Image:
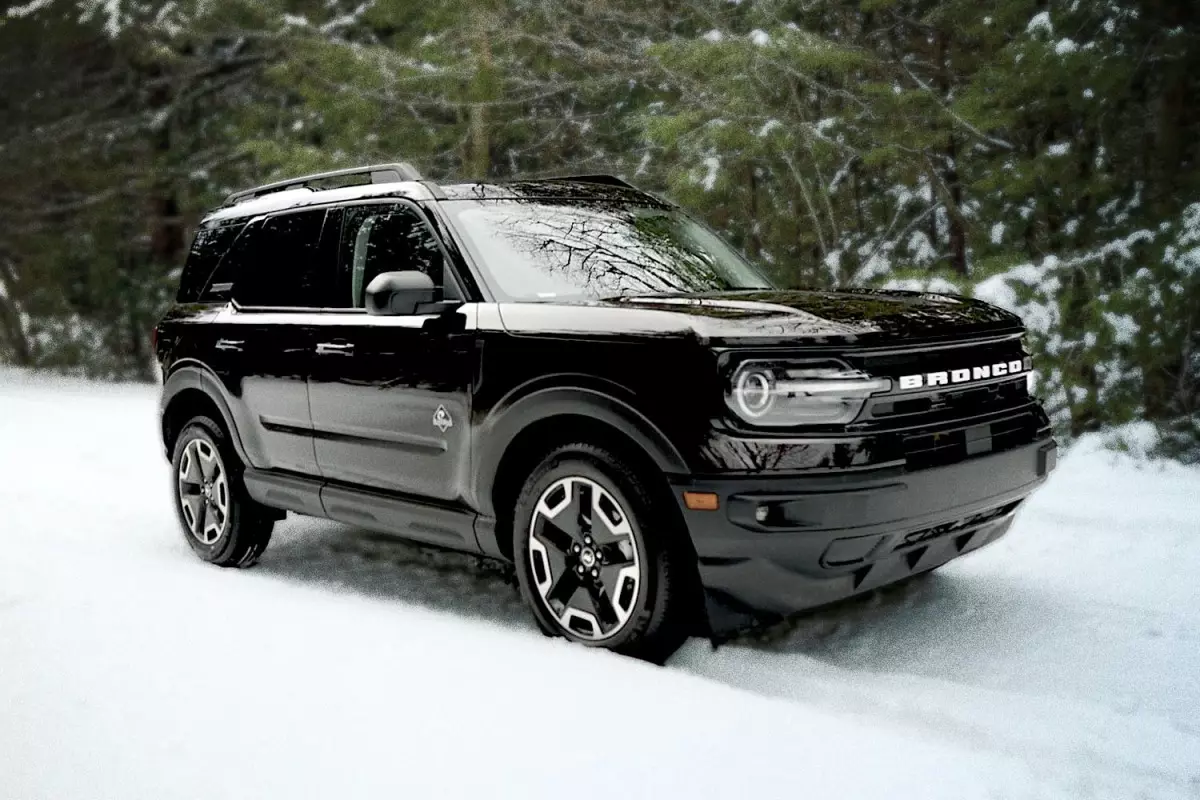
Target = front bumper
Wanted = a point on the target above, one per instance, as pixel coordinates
(782, 544)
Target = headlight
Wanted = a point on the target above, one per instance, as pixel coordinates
(779, 393)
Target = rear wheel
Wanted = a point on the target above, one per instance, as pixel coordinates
(220, 521)
(597, 561)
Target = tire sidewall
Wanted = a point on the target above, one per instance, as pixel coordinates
(577, 463)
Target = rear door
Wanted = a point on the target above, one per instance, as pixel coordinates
(390, 395)
(281, 269)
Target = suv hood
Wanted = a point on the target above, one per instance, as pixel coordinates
(770, 316)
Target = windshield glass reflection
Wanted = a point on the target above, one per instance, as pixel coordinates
(547, 251)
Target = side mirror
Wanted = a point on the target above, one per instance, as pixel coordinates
(400, 293)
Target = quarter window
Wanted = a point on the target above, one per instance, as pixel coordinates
(205, 263)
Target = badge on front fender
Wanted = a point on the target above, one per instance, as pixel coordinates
(442, 420)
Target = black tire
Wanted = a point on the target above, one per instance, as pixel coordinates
(662, 615)
(244, 527)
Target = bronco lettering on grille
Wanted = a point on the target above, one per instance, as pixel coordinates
(954, 376)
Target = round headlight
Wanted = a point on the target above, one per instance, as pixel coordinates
(754, 394)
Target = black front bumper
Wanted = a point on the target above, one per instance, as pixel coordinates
(777, 545)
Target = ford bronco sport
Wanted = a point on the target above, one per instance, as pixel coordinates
(577, 377)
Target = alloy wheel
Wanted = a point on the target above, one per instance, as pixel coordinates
(584, 558)
(203, 491)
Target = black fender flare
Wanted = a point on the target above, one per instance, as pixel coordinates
(530, 404)
(195, 375)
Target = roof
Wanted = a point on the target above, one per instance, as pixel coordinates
(581, 188)
(301, 197)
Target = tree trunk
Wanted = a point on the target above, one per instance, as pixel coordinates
(12, 329)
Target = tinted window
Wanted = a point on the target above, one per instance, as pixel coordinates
(385, 238)
(199, 273)
(544, 250)
(280, 262)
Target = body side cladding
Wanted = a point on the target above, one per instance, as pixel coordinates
(408, 518)
(190, 374)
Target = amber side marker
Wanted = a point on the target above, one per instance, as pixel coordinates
(701, 501)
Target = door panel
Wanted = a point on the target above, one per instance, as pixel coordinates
(390, 401)
(263, 359)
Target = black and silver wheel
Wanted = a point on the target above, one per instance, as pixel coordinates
(583, 551)
(203, 491)
(598, 561)
(221, 522)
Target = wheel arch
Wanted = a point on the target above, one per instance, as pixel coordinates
(521, 432)
(191, 390)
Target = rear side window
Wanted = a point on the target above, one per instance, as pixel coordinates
(199, 272)
(280, 262)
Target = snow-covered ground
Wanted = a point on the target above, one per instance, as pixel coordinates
(1062, 662)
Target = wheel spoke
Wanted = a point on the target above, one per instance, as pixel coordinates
(208, 464)
(583, 502)
(618, 553)
(564, 586)
(603, 605)
(201, 519)
(551, 534)
(192, 505)
(220, 495)
(191, 472)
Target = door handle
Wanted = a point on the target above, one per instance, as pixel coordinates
(335, 348)
(230, 344)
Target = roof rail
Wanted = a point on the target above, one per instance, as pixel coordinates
(380, 173)
(606, 180)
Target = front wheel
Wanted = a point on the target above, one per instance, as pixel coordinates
(597, 560)
(221, 522)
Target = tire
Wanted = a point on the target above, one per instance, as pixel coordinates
(239, 529)
(627, 588)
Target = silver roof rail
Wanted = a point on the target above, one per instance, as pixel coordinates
(380, 173)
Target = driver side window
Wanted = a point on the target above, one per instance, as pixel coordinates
(385, 238)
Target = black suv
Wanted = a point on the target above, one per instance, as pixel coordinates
(580, 378)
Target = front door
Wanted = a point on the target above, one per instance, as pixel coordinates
(390, 396)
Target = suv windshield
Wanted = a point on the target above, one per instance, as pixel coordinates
(546, 250)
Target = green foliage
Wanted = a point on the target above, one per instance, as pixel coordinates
(1045, 155)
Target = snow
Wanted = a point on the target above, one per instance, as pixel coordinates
(920, 249)
(1040, 22)
(1058, 149)
(27, 9)
(714, 35)
(997, 235)
(712, 166)
(769, 126)
(760, 37)
(1065, 46)
(1059, 663)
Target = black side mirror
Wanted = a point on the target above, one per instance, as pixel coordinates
(400, 293)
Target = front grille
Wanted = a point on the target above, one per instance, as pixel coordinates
(935, 426)
(942, 447)
(957, 403)
(943, 405)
